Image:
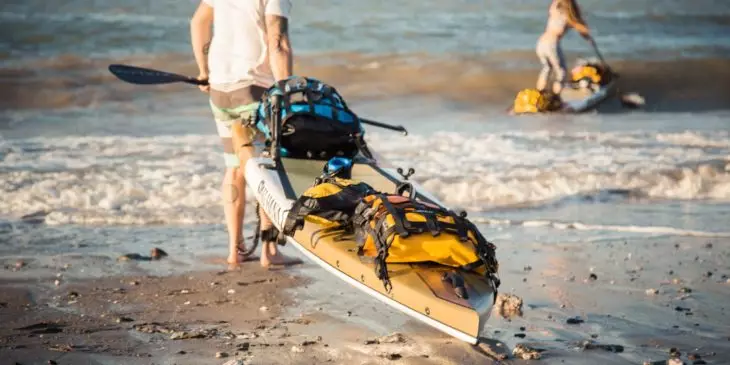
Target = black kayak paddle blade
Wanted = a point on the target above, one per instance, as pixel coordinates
(147, 76)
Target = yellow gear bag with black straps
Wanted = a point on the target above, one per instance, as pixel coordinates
(398, 229)
(330, 202)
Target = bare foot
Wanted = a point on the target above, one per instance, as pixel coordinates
(239, 259)
(239, 256)
(279, 259)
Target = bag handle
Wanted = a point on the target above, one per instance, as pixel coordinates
(406, 186)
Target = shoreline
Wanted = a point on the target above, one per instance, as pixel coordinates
(477, 82)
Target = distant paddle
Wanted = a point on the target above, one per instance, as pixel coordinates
(598, 53)
(148, 76)
(629, 100)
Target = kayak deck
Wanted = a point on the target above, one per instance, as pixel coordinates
(583, 99)
(417, 288)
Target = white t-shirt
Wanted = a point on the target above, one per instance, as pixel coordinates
(238, 54)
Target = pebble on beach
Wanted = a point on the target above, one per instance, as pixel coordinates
(157, 253)
(524, 352)
(391, 338)
(508, 305)
(574, 320)
(652, 291)
(220, 355)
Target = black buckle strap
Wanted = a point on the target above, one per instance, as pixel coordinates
(398, 218)
(461, 226)
(381, 267)
(432, 224)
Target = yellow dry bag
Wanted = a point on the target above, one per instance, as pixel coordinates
(397, 229)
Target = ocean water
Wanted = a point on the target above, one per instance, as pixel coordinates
(105, 168)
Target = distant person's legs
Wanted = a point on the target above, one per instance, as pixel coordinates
(552, 59)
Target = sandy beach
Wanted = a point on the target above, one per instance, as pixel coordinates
(616, 303)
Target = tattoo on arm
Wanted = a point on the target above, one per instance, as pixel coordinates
(280, 53)
(278, 28)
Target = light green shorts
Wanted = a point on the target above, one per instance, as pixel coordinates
(234, 107)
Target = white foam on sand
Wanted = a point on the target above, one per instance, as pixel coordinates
(492, 170)
(114, 180)
(579, 226)
(176, 179)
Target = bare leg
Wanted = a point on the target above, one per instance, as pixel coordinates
(560, 68)
(552, 59)
(234, 192)
(543, 78)
(544, 75)
(242, 140)
(234, 202)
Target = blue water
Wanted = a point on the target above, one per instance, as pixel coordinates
(624, 29)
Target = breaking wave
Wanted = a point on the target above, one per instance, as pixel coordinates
(176, 179)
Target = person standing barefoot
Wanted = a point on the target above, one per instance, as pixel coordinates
(249, 52)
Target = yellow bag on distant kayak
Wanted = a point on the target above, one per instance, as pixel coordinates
(530, 101)
(397, 229)
(590, 73)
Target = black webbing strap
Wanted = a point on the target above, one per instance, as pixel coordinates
(473, 265)
(461, 228)
(432, 223)
(396, 214)
(384, 240)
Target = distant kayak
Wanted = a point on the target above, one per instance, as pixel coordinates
(591, 84)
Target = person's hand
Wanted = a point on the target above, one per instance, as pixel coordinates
(203, 88)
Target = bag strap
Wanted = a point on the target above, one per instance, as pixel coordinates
(383, 240)
(398, 218)
(461, 227)
(432, 224)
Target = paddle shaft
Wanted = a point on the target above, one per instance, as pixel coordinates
(148, 76)
(397, 128)
(598, 53)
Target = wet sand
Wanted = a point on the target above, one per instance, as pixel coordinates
(610, 302)
(474, 82)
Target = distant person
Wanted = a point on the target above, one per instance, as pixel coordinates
(249, 52)
(562, 15)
